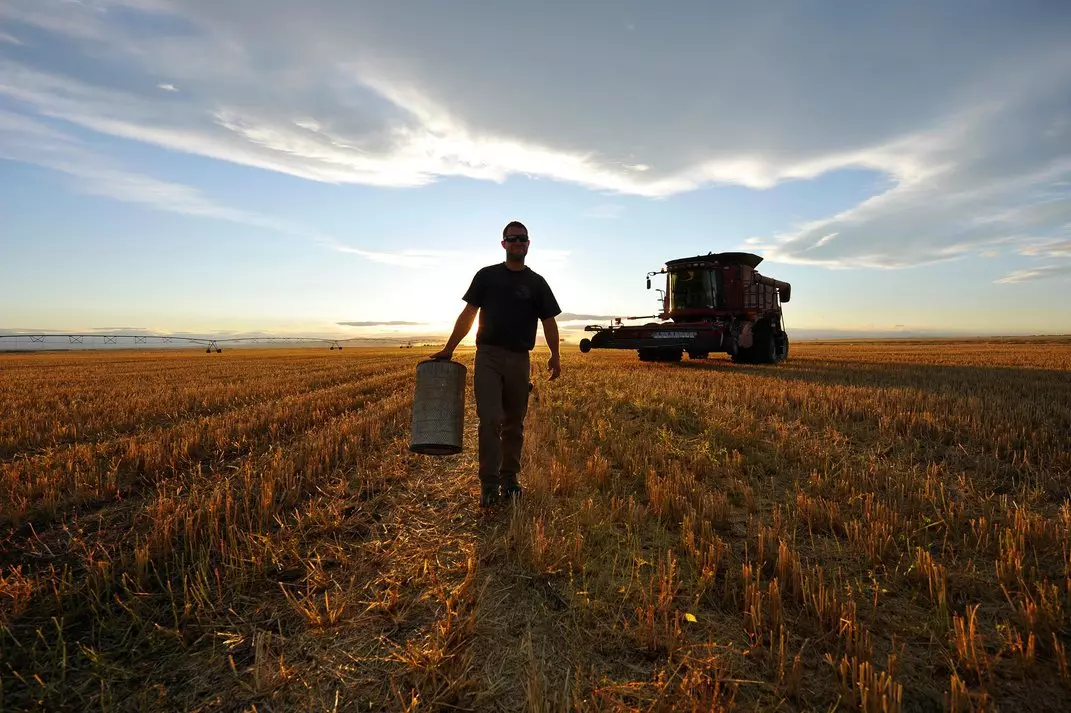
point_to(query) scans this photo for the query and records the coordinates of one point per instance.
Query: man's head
(515, 241)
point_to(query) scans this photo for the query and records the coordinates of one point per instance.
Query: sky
(343, 168)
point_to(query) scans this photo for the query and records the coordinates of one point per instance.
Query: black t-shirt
(511, 302)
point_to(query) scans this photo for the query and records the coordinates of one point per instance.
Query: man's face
(516, 242)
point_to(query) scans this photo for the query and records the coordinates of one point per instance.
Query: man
(510, 299)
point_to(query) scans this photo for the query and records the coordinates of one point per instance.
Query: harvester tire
(698, 355)
(764, 348)
(585, 345)
(782, 346)
(769, 351)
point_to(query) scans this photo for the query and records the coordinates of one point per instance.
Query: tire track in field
(254, 396)
(456, 636)
(355, 441)
(123, 423)
(29, 546)
(136, 462)
(433, 597)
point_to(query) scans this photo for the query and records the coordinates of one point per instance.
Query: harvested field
(870, 526)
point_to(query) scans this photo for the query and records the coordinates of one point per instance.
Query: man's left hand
(554, 364)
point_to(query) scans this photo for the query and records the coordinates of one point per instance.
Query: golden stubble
(869, 526)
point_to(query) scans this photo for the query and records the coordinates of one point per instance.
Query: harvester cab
(711, 303)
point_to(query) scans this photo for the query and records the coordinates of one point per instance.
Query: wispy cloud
(119, 329)
(1044, 272)
(382, 324)
(9, 39)
(26, 140)
(550, 256)
(968, 123)
(571, 317)
(954, 200)
(167, 87)
(404, 258)
(1050, 248)
(607, 211)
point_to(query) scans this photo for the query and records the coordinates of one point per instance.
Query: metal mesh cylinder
(438, 408)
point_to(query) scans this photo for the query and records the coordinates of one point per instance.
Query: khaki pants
(500, 380)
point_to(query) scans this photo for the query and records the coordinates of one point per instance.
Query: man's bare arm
(461, 328)
(550, 332)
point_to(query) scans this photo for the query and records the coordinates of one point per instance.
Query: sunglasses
(516, 238)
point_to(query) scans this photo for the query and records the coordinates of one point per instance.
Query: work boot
(488, 496)
(510, 489)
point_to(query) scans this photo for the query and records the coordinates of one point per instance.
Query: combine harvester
(716, 302)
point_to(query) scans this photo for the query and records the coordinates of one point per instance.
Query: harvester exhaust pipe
(783, 288)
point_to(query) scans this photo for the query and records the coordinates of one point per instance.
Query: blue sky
(285, 167)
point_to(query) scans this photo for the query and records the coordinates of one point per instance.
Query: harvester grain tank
(711, 303)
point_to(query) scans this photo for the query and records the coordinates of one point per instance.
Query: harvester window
(692, 289)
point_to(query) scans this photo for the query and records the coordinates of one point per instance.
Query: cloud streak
(382, 324)
(30, 141)
(571, 317)
(403, 258)
(606, 211)
(966, 121)
(1044, 272)
(1052, 248)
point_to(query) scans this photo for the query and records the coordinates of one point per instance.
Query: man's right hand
(446, 354)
